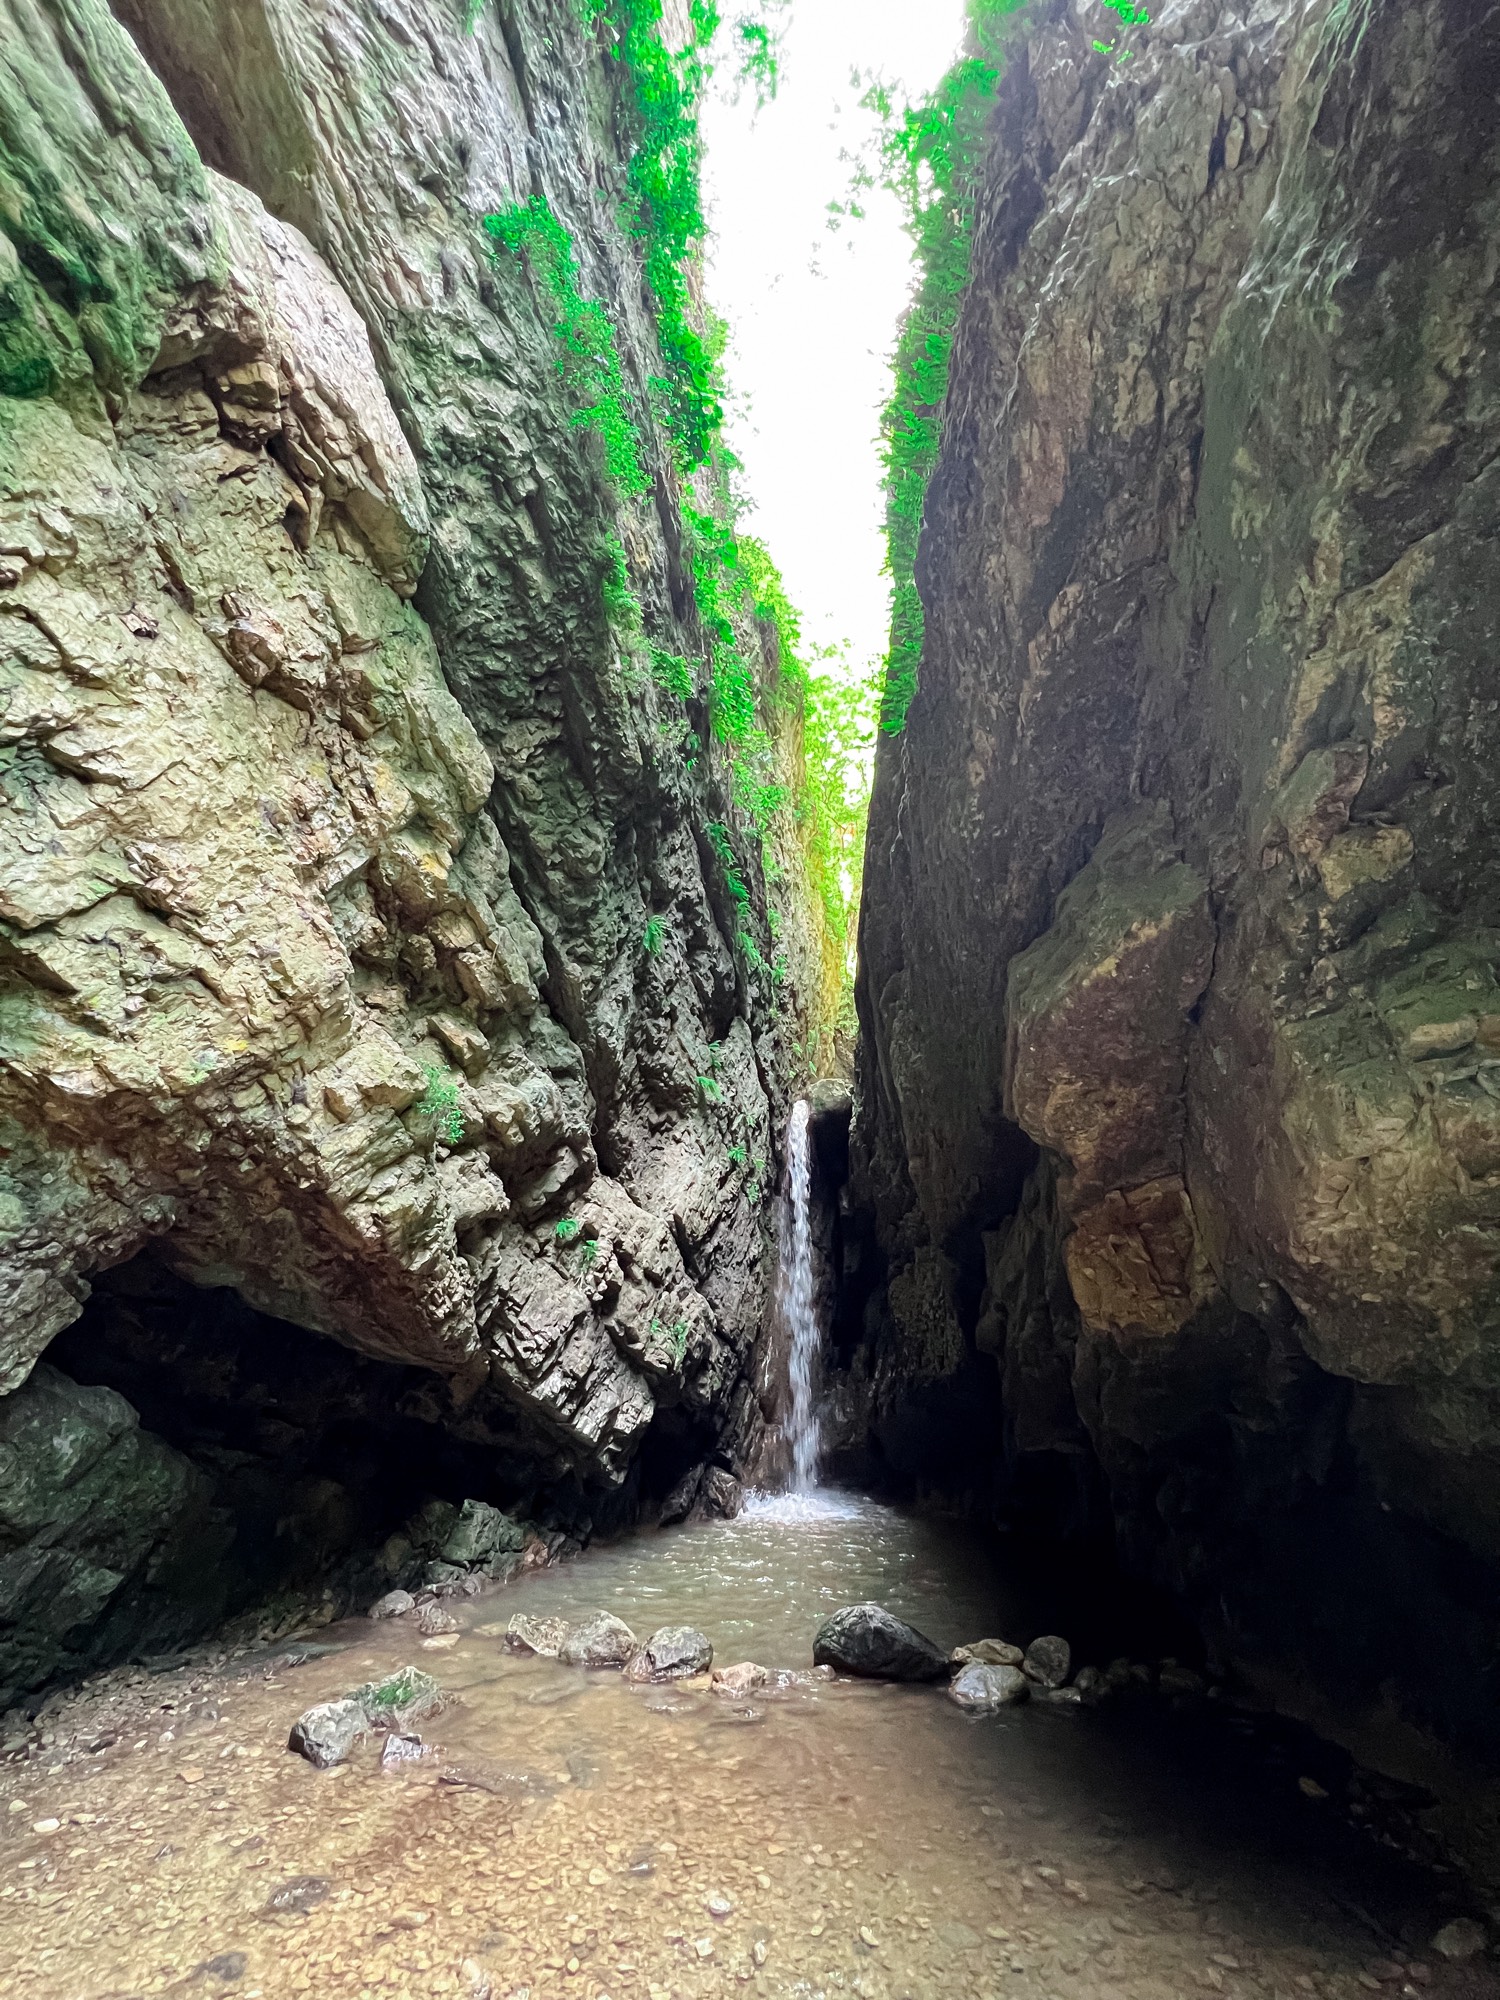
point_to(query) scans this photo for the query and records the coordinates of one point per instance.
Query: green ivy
(929, 154)
(567, 1229)
(654, 936)
(590, 361)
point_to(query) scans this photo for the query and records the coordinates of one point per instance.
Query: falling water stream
(797, 1302)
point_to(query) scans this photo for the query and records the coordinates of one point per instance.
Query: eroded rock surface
(1180, 1088)
(332, 809)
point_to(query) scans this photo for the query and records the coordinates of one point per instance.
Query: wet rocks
(1048, 1660)
(327, 1732)
(705, 1492)
(600, 1641)
(671, 1654)
(401, 1699)
(743, 1678)
(989, 1653)
(871, 1642)
(545, 1636)
(433, 1621)
(982, 1687)
(399, 1750)
(395, 1604)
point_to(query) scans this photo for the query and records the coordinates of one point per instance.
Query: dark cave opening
(179, 1459)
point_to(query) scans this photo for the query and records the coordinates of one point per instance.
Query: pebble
(719, 1905)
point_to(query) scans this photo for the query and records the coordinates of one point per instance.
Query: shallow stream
(577, 1836)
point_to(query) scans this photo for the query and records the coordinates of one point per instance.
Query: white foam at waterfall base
(797, 1509)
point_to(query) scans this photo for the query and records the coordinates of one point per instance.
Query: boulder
(327, 1732)
(868, 1640)
(982, 1687)
(720, 1493)
(600, 1641)
(395, 1604)
(1048, 1660)
(546, 1636)
(679, 1502)
(989, 1653)
(480, 1535)
(671, 1654)
(1460, 1939)
(400, 1699)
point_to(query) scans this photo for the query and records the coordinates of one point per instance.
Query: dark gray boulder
(1048, 1660)
(868, 1640)
(482, 1537)
(600, 1641)
(670, 1655)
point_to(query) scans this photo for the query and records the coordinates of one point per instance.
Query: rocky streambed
(506, 1822)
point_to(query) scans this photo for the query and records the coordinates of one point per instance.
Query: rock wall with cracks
(1178, 1120)
(333, 811)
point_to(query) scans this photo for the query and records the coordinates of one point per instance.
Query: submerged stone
(744, 1677)
(868, 1640)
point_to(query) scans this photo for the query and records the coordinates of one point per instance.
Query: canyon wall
(381, 948)
(1176, 1182)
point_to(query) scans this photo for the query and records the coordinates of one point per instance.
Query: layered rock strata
(1179, 1101)
(332, 807)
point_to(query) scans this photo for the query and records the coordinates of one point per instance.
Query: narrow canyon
(669, 1325)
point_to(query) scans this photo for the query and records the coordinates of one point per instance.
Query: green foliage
(589, 362)
(718, 839)
(737, 1154)
(439, 1102)
(654, 936)
(710, 1088)
(929, 155)
(622, 608)
(567, 1229)
(672, 674)
(588, 1250)
(664, 205)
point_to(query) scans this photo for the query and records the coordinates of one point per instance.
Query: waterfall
(796, 1289)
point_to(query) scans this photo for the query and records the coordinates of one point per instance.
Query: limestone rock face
(1180, 1084)
(332, 809)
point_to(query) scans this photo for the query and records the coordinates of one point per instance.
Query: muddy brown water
(606, 1841)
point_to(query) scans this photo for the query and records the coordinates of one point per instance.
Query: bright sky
(812, 316)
